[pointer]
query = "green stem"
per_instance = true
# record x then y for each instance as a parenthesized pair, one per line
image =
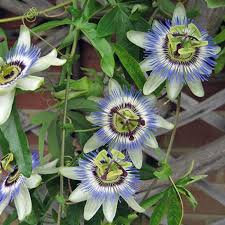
(86, 130)
(39, 13)
(69, 63)
(174, 129)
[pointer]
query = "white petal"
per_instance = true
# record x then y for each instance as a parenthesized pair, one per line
(173, 89)
(152, 142)
(109, 208)
(134, 205)
(23, 203)
(46, 61)
(24, 36)
(48, 168)
(196, 87)
(137, 38)
(29, 83)
(152, 83)
(91, 207)
(92, 144)
(114, 86)
(145, 66)
(136, 156)
(33, 181)
(4, 203)
(161, 122)
(6, 101)
(179, 13)
(78, 195)
(69, 172)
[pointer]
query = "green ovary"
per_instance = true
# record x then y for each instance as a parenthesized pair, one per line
(183, 42)
(110, 167)
(8, 73)
(125, 120)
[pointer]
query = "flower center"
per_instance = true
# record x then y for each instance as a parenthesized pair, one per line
(126, 121)
(9, 73)
(183, 42)
(13, 177)
(111, 168)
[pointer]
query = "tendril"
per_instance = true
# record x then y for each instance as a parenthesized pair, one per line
(31, 15)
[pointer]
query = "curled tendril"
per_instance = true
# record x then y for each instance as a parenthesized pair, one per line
(31, 15)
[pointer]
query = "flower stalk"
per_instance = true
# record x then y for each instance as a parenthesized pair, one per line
(69, 69)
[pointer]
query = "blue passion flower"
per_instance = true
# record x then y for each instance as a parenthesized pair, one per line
(127, 121)
(177, 52)
(105, 177)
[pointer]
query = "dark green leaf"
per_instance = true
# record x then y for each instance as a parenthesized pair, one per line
(131, 65)
(215, 3)
(50, 25)
(91, 8)
(18, 143)
(219, 38)
(3, 44)
(147, 172)
(189, 180)
(220, 62)
(159, 210)
(4, 144)
(175, 211)
(44, 119)
(82, 104)
(152, 200)
(102, 46)
(166, 6)
(53, 139)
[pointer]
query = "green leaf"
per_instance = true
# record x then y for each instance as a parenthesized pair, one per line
(219, 38)
(44, 119)
(131, 66)
(54, 139)
(152, 200)
(14, 134)
(166, 6)
(188, 195)
(164, 172)
(3, 44)
(189, 180)
(215, 3)
(102, 46)
(82, 104)
(91, 8)
(147, 172)
(220, 62)
(159, 210)
(175, 211)
(73, 215)
(80, 123)
(51, 24)
(4, 144)
(115, 21)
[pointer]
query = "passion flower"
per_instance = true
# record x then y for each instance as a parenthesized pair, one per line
(14, 186)
(105, 177)
(127, 121)
(16, 69)
(177, 52)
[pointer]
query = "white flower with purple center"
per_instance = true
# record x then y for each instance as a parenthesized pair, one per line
(105, 177)
(16, 69)
(14, 186)
(127, 121)
(176, 52)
